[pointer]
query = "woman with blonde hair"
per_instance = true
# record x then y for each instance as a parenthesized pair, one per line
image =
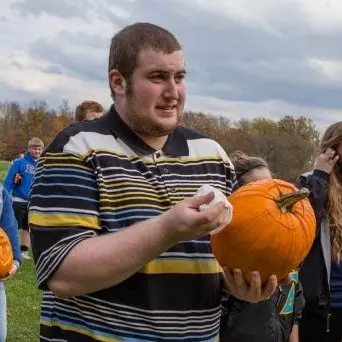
(321, 272)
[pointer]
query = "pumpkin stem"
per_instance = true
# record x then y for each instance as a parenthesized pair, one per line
(286, 202)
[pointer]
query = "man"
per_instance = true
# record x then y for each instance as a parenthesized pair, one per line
(121, 248)
(88, 110)
(18, 183)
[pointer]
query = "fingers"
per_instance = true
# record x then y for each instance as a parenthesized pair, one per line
(270, 287)
(197, 201)
(236, 284)
(214, 217)
(13, 270)
(255, 291)
(255, 287)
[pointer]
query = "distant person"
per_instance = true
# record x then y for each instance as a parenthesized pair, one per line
(321, 272)
(18, 184)
(275, 319)
(88, 110)
(9, 224)
(20, 155)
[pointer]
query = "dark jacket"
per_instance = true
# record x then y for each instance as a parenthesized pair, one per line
(268, 321)
(315, 271)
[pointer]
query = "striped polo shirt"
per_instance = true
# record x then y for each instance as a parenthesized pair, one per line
(99, 177)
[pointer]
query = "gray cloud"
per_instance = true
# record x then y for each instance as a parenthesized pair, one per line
(60, 8)
(232, 61)
(77, 54)
(226, 58)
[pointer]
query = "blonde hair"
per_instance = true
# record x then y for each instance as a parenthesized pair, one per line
(35, 142)
(331, 139)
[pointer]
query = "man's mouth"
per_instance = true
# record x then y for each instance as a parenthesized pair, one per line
(166, 108)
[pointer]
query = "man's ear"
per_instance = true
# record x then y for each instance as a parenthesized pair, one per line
(117, 82)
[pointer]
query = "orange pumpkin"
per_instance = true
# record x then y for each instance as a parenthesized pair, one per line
(272, 229)
(6, 254)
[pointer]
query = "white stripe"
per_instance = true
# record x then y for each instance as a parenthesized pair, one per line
(81, 211)
(152, 324)
(52, 256)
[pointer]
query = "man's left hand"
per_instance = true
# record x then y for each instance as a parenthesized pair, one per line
(253, 292)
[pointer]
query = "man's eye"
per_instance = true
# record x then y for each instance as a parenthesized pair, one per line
(180, 78)
(156, 78)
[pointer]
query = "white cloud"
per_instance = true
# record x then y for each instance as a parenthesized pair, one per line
(245, 57)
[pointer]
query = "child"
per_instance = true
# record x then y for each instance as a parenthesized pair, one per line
(273, 320)
(9, 224)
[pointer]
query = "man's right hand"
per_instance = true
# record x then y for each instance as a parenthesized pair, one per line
(326, 161)
(185, 221)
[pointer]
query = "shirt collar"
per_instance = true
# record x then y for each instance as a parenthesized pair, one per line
(176, 144)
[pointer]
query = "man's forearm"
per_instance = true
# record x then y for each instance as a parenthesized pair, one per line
(101, 262)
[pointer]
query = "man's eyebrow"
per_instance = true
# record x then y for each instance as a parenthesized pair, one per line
(164, 71)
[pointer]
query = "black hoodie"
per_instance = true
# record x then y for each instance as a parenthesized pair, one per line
(267, 321)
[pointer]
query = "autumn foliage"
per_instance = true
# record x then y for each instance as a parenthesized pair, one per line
(288, 144)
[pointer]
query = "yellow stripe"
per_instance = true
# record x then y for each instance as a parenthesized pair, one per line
(138, 183)
(59, 220)
(75, 166)
(63, 157)
(123, 197)
(160, 266)
(128, 206)
(80, 331)
(189, 159)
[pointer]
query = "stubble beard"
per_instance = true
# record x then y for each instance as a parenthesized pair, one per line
(139, 124)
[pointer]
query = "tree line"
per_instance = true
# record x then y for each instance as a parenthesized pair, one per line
(289, 144)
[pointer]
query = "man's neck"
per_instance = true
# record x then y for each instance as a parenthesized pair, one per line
(155, 142)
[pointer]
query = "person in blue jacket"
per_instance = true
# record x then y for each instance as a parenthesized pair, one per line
(10, 226)
(18, 183)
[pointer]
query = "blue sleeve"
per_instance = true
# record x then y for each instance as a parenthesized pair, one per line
(9, 224)
(9, 181)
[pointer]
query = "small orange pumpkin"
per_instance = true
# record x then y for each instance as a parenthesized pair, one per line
(272, 229)
(6, 254)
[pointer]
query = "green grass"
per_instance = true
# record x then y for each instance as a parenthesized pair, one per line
(23, 302)
(23, 298)
(3, 169)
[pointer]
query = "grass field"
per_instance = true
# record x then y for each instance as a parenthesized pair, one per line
(23, 298)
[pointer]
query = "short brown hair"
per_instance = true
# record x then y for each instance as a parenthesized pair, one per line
(131, 40)
(244, 163)
(87, 106)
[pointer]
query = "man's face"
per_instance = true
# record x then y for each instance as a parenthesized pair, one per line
(155, 97)
(35, 151)
(92, 115)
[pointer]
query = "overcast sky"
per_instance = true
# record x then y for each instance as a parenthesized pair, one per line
(245, 58)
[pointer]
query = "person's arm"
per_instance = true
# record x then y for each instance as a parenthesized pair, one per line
(294, 337)
(318, 181)
(74, 252)
(9, 180)
(10, 226)
(299, 303)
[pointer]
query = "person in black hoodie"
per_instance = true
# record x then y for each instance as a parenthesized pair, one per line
(321, 272)
(273, 320)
